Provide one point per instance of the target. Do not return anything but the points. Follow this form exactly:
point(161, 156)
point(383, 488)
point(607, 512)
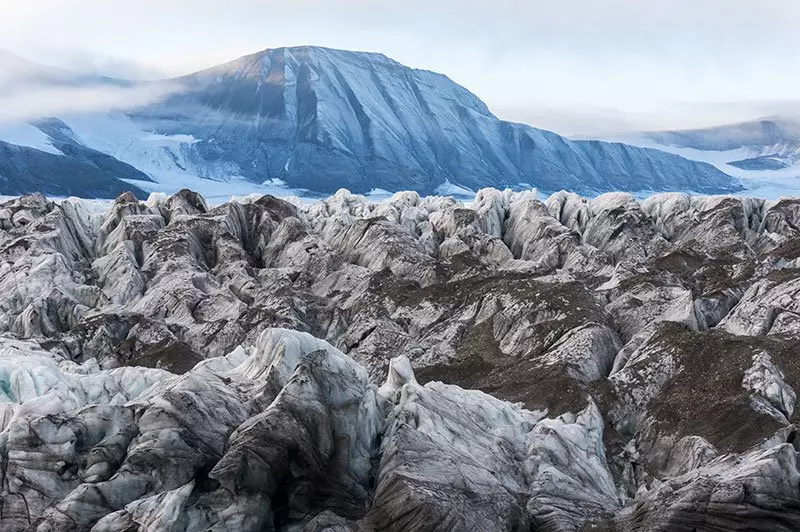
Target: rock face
point(319, 119)
point(414, 364)
point(84, 172)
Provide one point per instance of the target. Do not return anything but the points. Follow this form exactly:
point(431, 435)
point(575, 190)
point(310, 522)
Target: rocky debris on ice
point(560, 364)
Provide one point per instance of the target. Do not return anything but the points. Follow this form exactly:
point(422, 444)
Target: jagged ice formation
point(413, 364)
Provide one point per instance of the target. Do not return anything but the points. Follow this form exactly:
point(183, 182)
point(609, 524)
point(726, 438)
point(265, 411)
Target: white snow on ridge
point(451, 189)
point(163, 159)
point(767, 184)
point(216, 193)
point(179, 139)
point(24, 134)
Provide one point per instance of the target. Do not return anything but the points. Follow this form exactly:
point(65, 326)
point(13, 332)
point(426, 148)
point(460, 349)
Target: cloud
point(97, 64)
point(29, 91)
point(45, 101)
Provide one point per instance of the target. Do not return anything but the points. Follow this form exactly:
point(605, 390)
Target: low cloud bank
point(39, 101)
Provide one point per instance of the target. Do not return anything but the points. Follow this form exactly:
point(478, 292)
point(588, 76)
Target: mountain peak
point(7, 56)
point(321, 69)
point(14, 67)
point(318, 54)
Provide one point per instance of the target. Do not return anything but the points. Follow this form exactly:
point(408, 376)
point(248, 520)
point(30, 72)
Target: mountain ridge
point(763, 131)
point(764, 153)
point(321, 119)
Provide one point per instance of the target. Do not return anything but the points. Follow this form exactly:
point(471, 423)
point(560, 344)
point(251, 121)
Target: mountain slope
point(24, 170)
point(322, 119)
point(45, 155)
point(19, 73)
point(763, 153)
point(760, 145)
point(64, 167)
point(777, 135)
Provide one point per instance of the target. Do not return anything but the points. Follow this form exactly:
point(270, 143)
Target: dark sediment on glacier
point(415, 364)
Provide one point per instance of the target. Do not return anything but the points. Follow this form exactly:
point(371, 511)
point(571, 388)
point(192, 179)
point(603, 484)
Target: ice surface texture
point(411, 364)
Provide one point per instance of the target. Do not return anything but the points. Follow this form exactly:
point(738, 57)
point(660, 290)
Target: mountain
point(67, 168)
point(44, 155)
point(764, 144)
point(775, 135)
point(764, 153)
point(321, 119)
point(75, 171)
point(411, 365)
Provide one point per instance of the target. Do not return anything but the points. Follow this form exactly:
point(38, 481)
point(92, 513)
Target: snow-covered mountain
point(777, 138)
point(320, 119)
point(44, 154)
point(18, 73)
point(763, 153)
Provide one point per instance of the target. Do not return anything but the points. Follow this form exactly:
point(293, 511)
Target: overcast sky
point(576, 66)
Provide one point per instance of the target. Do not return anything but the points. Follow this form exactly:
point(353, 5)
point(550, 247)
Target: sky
point(579, 67)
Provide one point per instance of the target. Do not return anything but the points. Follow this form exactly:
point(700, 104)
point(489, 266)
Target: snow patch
point(180, 138)
point(451, 189)
point(24, 134)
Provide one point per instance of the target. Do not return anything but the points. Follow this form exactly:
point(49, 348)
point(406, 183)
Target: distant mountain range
point(315, 119)
point(763, 153)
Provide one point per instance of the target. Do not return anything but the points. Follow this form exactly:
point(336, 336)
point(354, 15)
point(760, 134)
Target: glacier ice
point(415, 363)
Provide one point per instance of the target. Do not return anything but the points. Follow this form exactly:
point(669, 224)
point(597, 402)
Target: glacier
point(418, 363)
